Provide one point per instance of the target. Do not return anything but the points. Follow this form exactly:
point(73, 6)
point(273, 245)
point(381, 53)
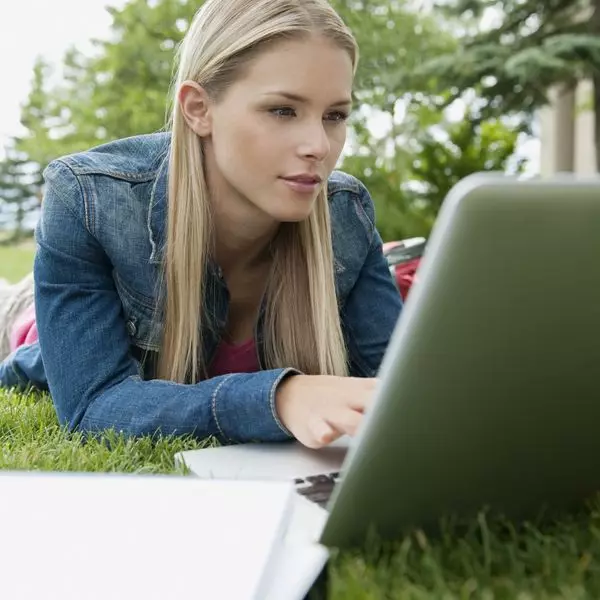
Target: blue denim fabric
point(100, 243)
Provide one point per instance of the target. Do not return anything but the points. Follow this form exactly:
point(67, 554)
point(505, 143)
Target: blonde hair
point(302, 323)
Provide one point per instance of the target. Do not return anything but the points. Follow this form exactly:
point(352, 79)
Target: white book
point(300, 558)
point(97, 536)
point(294, 570)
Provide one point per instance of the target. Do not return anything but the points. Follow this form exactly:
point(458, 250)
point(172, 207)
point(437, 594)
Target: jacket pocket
point(143, 324)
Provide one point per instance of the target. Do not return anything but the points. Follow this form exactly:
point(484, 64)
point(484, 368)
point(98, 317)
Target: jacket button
point(131, 328)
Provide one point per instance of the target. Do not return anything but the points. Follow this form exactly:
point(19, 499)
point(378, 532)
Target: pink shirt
point(234, 358)
point(24, 330)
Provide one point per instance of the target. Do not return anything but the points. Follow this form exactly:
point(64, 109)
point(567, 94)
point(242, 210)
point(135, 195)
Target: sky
point(29, 28)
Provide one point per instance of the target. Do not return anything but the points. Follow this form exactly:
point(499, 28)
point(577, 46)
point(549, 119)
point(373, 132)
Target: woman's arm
point(94, 381)
point(24, 369)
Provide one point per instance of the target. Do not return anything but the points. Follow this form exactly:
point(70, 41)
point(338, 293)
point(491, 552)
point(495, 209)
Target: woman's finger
point(360, 400)
point(322, 431)
point(345, 420)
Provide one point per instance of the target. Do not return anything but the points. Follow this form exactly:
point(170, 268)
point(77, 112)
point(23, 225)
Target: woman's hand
point(317, 409)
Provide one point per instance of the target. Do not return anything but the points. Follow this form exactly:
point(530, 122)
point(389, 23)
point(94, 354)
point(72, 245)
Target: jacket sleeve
point(94, 381)
point(374, 304)
point(24, 369)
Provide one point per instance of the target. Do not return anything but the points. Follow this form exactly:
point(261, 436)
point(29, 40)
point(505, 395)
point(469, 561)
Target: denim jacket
point(100, 242)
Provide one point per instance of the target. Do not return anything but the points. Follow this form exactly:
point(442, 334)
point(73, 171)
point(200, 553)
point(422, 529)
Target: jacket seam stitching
point(83, 196)
point(364, 218)
point(348, 183)
point(272, 401)
point(335, 189)
point(139, 177)
point(214, 407)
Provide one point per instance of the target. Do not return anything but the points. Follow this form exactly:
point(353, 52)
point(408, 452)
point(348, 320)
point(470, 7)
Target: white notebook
point(301, 558)
point(72, 536)
point(294, 570)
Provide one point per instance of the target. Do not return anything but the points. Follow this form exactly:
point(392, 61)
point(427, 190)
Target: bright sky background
point(29, 28)
point(41, 27)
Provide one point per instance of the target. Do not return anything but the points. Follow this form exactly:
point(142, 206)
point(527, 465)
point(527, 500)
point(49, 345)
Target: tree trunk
point(595, 26)
point(596, 80)
point(564, 124)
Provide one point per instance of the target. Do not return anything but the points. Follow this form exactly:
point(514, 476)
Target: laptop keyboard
point(317, 488)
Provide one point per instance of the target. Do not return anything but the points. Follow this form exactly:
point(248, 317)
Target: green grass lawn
point(491, 561)
point(16, 261)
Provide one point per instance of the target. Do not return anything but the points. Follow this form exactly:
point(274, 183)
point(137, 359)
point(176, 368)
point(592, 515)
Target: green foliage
point(430, 155)
point(470, 147)
point(19, 191)
point(130, 80)
point(393, 39)
point(531, 46)
point(123, 90)
point(41, 116)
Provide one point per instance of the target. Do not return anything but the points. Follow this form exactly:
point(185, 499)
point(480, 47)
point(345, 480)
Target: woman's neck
point(240, 241)
point(242, 232)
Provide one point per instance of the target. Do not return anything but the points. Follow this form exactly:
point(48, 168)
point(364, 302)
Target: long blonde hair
point(302, 323)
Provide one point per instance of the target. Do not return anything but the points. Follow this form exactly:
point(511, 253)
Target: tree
point(19, 191)
point(408, 195)
point(41, 116)
point(532, 46)
point(123, 90)
point(394, 39)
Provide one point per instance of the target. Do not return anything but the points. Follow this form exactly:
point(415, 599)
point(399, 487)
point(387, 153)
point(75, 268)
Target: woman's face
point(276, 134)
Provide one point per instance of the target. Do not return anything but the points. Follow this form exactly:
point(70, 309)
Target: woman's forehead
point(306, 68)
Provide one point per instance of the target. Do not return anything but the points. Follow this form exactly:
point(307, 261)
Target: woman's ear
point(195, 107)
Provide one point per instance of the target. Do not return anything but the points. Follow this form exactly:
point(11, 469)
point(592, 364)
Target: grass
point(32, 439)
point(490, 561)
point(16, 261)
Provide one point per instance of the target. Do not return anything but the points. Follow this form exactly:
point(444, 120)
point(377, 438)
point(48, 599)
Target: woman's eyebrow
point(297, 98)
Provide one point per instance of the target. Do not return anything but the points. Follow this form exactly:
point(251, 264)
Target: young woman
point(220, 278)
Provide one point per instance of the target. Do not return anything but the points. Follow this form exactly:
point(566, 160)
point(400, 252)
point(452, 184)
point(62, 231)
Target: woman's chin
point(292, 215)
point(291, 211)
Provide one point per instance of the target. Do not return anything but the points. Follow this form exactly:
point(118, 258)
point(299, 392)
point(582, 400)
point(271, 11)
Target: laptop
point(488, 394)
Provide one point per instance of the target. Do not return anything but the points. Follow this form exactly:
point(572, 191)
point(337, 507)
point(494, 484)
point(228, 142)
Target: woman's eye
point(283, 111)
point(337, 117)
